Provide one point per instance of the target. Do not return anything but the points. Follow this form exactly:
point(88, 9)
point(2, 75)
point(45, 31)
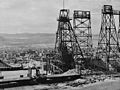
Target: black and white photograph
point(59, 44)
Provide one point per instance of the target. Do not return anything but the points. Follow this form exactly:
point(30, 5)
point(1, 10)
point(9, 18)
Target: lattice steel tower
point(108, 45)
point(66, 42)
point(82, 27)
point(119, 25)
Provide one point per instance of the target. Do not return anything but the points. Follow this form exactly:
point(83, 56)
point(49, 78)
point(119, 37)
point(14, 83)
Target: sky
point(40, 16)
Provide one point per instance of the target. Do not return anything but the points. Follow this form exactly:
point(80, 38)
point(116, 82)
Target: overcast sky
point(40, 16)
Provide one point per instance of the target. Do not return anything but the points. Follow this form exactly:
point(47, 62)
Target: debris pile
point(71, 71)
point(88, 80)
point(78, 82)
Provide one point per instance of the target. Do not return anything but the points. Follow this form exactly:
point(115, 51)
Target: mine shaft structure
point(82, 28)
point(118, 13)
point(66, 43)
point(108, 45)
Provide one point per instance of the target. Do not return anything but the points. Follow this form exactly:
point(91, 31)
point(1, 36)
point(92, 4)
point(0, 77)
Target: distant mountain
point(29, 39)
point(2, 38)
point(24, 39)
point(95, 40)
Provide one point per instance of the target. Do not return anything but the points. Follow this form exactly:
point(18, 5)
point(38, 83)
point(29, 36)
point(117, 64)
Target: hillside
point(28, 39)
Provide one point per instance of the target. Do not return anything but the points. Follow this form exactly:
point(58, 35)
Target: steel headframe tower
point(66, 42)
point(118, 13)
point(108, 45)
point(82, 27)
